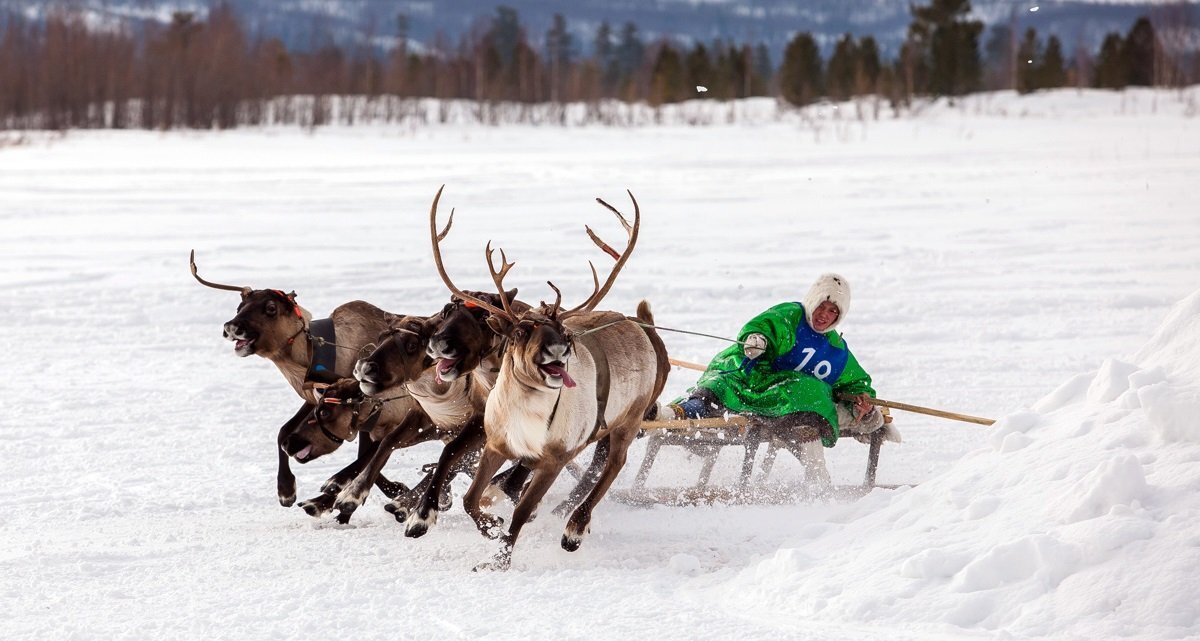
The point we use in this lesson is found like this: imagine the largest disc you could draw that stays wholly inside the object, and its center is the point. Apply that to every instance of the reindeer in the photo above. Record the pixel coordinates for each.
(567, 379)
(391, 417)
(448, 364)
(272, 325)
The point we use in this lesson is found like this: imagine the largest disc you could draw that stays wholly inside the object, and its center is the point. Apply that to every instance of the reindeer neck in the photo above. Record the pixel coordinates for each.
(447, 404)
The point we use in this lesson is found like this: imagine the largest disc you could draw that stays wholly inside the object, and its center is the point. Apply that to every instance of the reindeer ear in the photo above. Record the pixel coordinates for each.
(499, 325)
(511, 295)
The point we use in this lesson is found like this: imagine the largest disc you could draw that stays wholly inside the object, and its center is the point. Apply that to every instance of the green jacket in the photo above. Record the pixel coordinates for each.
(767, 391)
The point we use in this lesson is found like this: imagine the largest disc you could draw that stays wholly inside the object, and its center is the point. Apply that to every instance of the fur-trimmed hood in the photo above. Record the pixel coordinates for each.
(829, 287)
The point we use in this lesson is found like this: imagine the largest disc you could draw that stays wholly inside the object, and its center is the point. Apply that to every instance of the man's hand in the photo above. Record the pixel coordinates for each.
(862, 405)
(754, 345)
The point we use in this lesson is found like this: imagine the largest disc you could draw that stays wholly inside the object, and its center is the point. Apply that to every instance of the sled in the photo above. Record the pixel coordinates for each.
(707, 437)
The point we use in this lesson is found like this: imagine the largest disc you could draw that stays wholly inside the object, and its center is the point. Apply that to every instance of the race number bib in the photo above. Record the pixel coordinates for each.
(814, 356)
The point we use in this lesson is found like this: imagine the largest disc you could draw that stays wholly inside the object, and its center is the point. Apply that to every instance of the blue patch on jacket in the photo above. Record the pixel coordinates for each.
(813, 355)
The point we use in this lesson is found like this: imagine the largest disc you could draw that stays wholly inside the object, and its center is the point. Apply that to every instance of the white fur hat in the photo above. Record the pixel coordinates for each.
(832, 288)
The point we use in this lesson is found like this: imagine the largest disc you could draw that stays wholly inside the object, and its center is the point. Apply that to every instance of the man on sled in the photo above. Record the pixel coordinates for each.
(793, 377)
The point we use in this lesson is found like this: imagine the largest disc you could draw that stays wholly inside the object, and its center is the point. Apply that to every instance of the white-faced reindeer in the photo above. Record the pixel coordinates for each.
(271, 324)
(567, 378)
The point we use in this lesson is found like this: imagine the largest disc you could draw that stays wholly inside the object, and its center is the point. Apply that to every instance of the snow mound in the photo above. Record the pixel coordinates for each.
(1076, 522)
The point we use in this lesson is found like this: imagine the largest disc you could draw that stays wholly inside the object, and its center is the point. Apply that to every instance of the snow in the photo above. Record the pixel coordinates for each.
(1032, 259)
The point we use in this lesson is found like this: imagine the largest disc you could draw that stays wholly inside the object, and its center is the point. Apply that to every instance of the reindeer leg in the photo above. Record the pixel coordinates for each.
(285, 481)
(327, 499)
(590, 477)
(366, 450)
(543, 478)
(489, 462)
(425, 515)
(350, 498)
(577, 526)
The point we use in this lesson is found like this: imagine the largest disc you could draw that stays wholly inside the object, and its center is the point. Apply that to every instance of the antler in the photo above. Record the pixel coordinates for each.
(437, 258)
(498, 277)
(557, 299)
(600, 292)
(232, 288)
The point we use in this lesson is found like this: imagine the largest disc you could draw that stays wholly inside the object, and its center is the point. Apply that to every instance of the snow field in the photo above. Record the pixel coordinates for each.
(1009, 257)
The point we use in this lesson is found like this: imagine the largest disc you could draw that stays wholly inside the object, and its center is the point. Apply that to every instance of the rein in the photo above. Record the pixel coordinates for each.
(658, 327)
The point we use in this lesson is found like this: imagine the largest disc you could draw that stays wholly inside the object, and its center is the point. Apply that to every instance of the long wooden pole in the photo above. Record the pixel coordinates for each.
(954, 416)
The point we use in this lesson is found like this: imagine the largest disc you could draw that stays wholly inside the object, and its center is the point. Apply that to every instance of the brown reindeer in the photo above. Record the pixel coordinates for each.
(567, 379)
(448, 364)
(392, 418)
(271, 324)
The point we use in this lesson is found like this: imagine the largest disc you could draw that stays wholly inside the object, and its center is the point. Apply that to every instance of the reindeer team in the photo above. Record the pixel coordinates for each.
(494, 378)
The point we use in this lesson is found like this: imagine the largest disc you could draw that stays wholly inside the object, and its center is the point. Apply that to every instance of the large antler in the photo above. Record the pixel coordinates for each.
(600, 292)
(232, 288)
(437, 237)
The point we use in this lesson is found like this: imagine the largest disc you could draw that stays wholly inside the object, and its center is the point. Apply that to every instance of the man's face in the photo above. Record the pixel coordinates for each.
(824, 315)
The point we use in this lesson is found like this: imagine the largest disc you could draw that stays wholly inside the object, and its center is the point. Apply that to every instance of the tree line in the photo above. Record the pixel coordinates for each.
(57, 73)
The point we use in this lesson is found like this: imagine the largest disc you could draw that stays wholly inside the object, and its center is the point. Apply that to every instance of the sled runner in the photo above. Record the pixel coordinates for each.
(707, 437)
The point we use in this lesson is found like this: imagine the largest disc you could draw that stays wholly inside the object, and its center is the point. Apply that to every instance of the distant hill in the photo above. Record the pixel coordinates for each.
(307, 23)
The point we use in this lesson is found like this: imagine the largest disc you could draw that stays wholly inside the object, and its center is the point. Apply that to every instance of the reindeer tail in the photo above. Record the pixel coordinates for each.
(643, 313)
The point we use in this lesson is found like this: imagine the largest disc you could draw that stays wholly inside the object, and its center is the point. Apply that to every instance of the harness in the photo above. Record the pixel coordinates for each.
(358, 423)
(322, 343)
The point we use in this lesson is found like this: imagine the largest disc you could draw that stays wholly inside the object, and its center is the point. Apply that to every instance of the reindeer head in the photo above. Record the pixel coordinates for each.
(341, 412)
(538, 345)
(398, 355)
(267, 321)
(462, 338)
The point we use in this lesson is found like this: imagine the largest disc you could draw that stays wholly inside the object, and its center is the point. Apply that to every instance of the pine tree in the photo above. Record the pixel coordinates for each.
(843, 69)
(1110, 70)
(1052, 72)
(1028, 59)
(606, 58)
(667, 79)
(800, 75)
(949, 42)
(699, 72)
(559, 54)
(869, 66)
(1138, 53)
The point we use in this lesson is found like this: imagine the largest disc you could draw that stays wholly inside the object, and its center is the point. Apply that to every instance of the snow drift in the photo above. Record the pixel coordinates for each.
(1076, 522)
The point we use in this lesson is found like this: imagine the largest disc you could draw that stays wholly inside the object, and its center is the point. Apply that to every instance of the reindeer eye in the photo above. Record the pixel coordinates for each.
(271, 309)
(323, 413)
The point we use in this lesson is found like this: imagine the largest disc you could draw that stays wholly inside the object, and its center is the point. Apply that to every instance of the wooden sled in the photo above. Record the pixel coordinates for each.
(706, 438)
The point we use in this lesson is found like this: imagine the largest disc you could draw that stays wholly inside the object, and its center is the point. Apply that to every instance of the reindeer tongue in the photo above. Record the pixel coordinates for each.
(561, 372)
(443, 365)
(302, 454)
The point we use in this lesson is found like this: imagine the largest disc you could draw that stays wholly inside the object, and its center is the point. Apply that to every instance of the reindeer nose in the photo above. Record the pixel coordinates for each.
(366, 368)
(437, 345)
(230, 330)
(558, 351)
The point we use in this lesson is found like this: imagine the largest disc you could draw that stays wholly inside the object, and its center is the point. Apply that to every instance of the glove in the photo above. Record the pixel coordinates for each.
(754, 345)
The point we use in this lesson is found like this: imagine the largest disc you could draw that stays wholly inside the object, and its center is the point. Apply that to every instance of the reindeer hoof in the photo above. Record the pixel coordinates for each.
(398, 511)
(419, 525)
(499, 563)
(287, 501)
(331, 487)
(311, 508)
(343, 518)
(571, 542)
